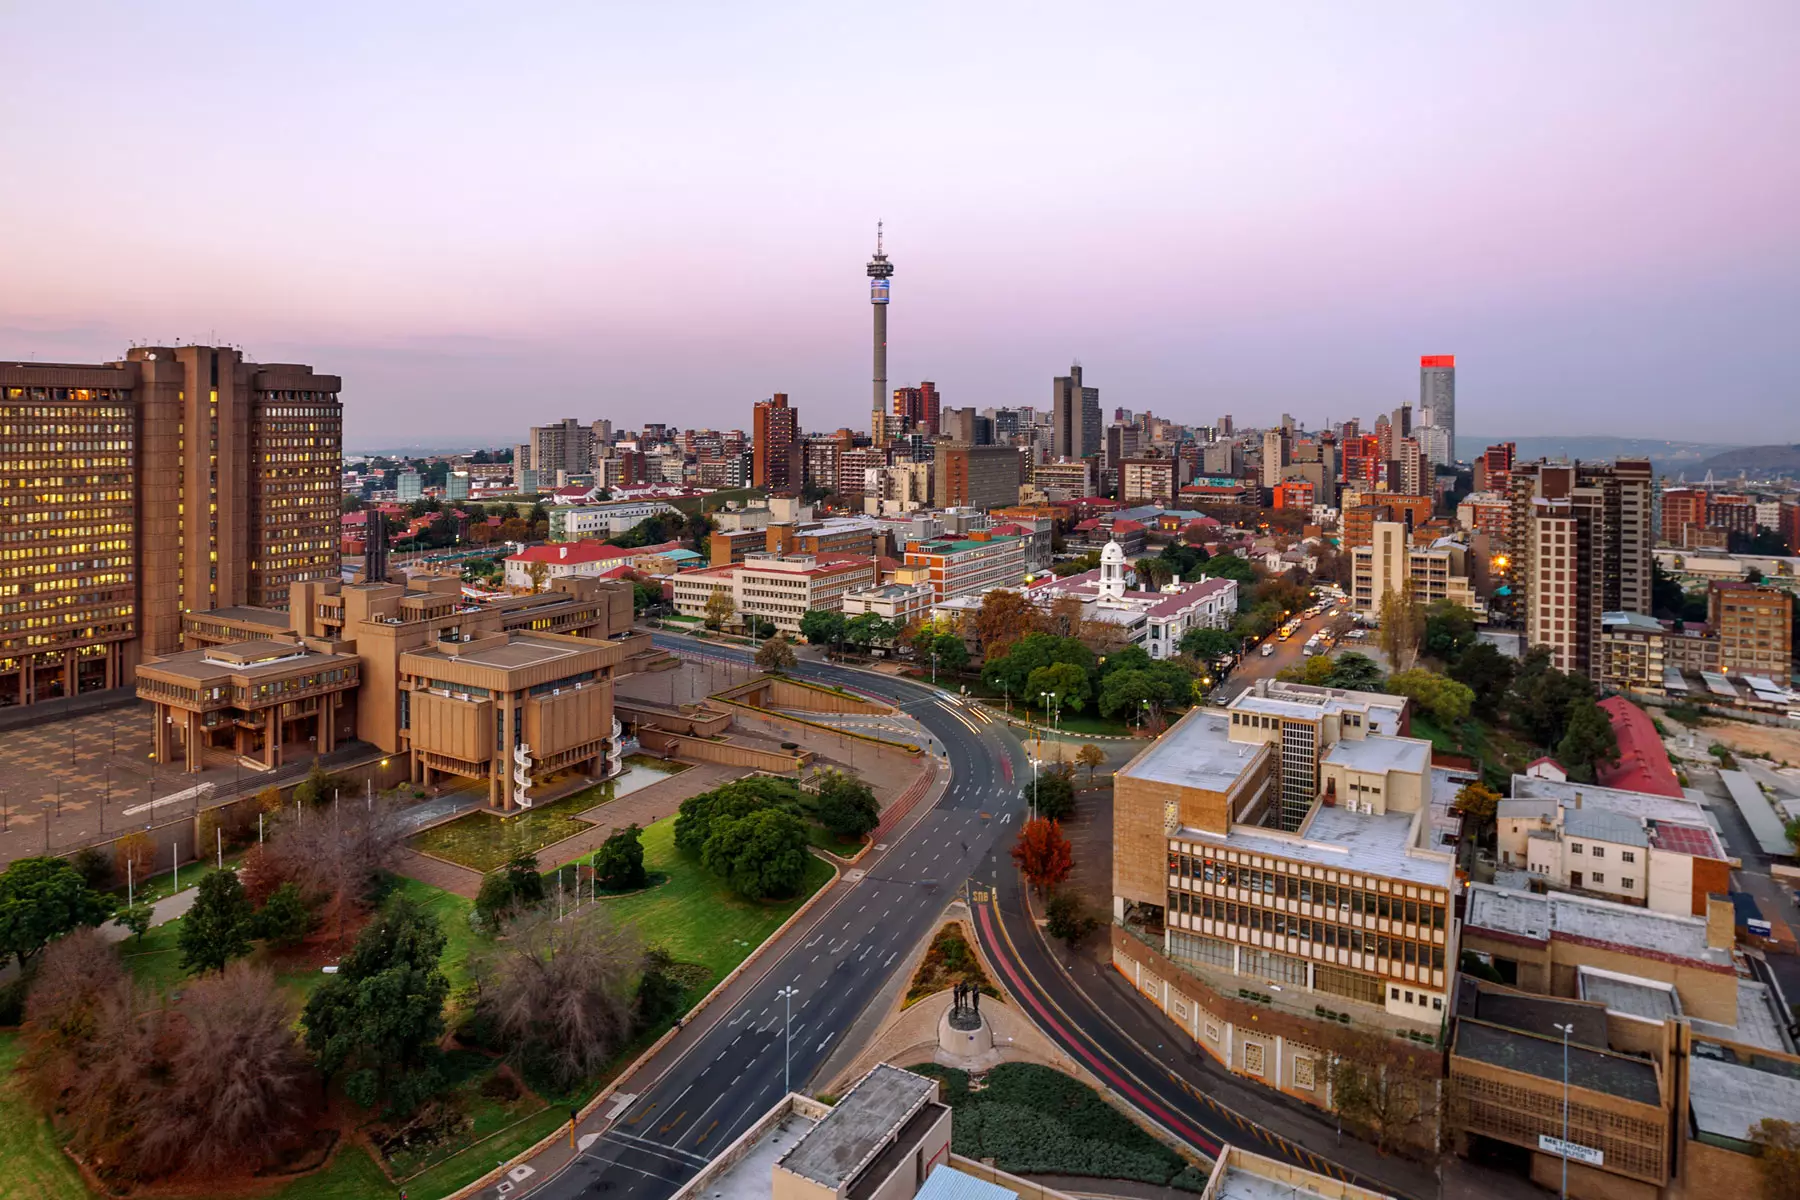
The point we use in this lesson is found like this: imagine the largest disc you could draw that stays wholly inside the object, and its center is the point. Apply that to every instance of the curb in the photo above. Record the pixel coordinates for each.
(606, 1093)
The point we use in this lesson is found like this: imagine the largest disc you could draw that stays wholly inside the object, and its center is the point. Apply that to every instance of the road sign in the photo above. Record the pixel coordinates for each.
(1570, 1150)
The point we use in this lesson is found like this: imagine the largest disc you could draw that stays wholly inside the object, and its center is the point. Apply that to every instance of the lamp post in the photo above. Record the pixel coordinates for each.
(1032, 815)
(934, 657)
(1565, 1136)
(787, 995)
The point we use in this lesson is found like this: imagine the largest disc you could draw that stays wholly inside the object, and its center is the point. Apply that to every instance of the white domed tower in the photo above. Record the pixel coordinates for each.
(1112, 571)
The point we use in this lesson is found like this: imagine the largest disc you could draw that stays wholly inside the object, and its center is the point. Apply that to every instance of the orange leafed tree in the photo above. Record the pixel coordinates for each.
(1004, 617)
(1043, 854)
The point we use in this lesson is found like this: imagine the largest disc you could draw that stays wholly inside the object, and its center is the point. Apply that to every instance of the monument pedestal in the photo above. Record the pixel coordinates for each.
(964, 1034)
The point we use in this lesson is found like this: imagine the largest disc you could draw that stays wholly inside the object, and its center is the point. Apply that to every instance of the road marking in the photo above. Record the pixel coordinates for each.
(821, 1045)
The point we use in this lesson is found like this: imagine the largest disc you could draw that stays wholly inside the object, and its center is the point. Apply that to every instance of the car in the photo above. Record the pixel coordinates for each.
(1268, 649)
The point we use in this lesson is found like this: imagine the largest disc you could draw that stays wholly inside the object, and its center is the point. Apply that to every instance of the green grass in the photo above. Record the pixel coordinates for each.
(476, 1161)
(824, 839)
(352, 1175)
(160, 887)
(32, 1163)
(452, 912)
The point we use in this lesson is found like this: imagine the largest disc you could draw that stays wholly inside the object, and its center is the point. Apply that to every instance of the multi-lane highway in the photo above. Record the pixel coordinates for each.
(730, 1067)
(740, 1056)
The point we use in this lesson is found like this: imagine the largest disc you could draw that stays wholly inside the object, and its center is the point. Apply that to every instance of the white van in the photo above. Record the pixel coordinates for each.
(1268, 649)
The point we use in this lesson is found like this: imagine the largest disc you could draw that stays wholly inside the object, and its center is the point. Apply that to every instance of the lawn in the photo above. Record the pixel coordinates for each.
(32, 1163)
(485, 841)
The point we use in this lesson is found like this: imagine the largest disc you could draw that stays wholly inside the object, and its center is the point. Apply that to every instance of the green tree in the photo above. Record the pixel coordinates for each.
(1316, 670)
(1402, 621)
(1052, 794)
(1484, 670)
(494, 901)
(619, 862)
(285, 917)
(525, 880)
(1543, 697)
(1208, 645)
(699, 815)
(952, 653)
(217, 928)
(383, 1012)
(319, 787)
(42, 899)
(846, 805)
(1357, 672)
(1068, 682)
(1011, 671)
(1066, 918)
(137, 920)
(1588, 742)
(762, 856)
(1449, 629)
(1228, 566)
(823, 627)
(1443, 700)
(870, 629)
(775, 655)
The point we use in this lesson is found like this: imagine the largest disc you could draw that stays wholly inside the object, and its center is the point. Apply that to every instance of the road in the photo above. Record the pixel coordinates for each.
(1254, 666)
(730, 1069)
(727, 1068)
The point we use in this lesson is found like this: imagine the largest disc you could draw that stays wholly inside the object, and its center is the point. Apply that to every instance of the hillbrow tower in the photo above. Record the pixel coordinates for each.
(880, 271)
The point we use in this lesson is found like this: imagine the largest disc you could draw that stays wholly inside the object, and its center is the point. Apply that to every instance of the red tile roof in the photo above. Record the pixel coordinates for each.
(1643, 764)
(1684, 839)
(571, 552)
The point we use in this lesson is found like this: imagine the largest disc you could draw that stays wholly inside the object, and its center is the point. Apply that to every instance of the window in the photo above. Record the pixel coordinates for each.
(1597, 877)
(1393, 993)
(1437, 1003)
(1574, 847)
(1253, 1057)
(1599, 851)
(1629, 856)
(1303, 1072)
(1628, 883)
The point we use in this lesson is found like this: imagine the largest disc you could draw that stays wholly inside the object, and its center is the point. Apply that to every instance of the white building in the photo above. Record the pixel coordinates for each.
(1154, 620)
(901, 603)
(779, 589)
(604, 519)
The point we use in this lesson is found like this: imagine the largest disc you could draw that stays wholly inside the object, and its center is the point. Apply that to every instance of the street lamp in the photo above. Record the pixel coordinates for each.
(934, 657)
(787, 995)
(1565, 1029)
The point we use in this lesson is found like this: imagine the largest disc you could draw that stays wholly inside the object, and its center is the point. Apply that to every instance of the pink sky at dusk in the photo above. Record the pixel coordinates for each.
(489, 217)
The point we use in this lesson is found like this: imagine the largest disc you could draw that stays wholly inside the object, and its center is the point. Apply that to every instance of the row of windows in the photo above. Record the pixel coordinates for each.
(1306, 891)
(1325, 933)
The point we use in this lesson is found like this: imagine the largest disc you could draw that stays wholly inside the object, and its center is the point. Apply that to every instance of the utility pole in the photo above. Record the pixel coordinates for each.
(1565, 1137)
(787, 1055)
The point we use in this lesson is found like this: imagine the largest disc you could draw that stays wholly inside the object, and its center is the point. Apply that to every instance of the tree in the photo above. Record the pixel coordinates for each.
(759, 627)
(823, 627)
(42, 899)
(1777, 1144)
(537, 574)
(65, 995)
(1208, 645)
(1449, 629)
(494, 901)
(1543, 697)
(846, 805)
(1011, 672)
(720, 609)
(1316, 670)
(319, 787)
(1228, 566)
(285, 918)
(1443, 700)
(1152, 573)
(525, 880)
(1004, 617)
(1357, 672)
(619, 862)
(136, 919)
(1043, 854)
(134, 856)
(217, 928)
(952, 653)
(1090, 756)
(1066, 917)
(762, 856)
(660, 991)
(1051, 795)
(700, 815)
(1402, 622)
(775, 655)
(1484, 670)
(1064, 680)
(561, 994)
(1478, 802)
(870, 629)
(1588, 743)
(1383, 1087)
(383, 1011)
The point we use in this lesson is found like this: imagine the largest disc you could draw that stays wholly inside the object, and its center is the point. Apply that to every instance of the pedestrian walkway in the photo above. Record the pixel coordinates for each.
(161, 913)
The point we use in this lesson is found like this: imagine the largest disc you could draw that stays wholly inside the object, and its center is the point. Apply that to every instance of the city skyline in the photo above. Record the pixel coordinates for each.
(1547, 197)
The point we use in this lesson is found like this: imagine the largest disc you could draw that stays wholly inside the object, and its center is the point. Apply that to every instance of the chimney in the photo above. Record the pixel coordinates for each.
(562, 552)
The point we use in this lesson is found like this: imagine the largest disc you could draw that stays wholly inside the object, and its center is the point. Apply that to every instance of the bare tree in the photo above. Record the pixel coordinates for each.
(77, 973)
(561, 992)
(236, 1077)
(334, 853)
(1402, 624)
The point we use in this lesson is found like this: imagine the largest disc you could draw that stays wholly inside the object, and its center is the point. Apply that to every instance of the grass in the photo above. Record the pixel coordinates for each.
(824, 839)
(466, 1072)
(31, 1159)
(470, 1164)
(452, 913)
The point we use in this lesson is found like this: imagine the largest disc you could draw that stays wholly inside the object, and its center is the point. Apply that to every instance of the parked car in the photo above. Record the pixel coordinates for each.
(1268, 649)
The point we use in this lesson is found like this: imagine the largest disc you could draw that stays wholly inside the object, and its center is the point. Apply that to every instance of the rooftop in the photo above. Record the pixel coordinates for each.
(1196, 752)
(878, 1105)
(1759, 1020)
(1539, 917)
(1604, 825)
(750, 1177)
(1336, 837)
(1647, 998)
(1381, 754)
(245, 614)
(1596, 1070)
(256, 659)
(1643, 764)
(948, 1183)
(1729, 1092)
(1621, 622)
(1648, 805)
(521, 650)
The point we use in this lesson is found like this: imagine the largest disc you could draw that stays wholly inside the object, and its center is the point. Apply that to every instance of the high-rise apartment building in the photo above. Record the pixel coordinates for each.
(565, 448)
(976, 476)
(1682, 509)
(1437, 394)
(1274, 456)
(179, 479)
(1581, 538)
(920, 408)
(776, 444)
(1754, 625)
(1493, 470)
(1075, 420)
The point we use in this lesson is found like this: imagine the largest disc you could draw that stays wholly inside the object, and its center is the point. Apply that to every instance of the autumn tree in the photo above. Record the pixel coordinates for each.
(134, 856)
(1402, 624)
(537, 574)
(1384, 1087)
(1090, 756)
(1477, 801)
(1004, 617)
(720, 609)
(1778, 1157)
(776, 655)
(1043, 854)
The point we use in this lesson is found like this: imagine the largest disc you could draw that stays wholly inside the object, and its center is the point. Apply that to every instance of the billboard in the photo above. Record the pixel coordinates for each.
(878, 291)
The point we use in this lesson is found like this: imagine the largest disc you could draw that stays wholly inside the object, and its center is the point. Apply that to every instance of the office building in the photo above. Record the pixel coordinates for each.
(1069, 480)
(977, 562)
(408, 486)
(975, 476)
(821, 454)
(780, 589)
(570, 523)
(183, 478)
(919, 409)
(1075, 419)
(1631, 653)
(1149, 480)
(1437, 395)
(1682, 509)
(1754, 625)
(776, 444)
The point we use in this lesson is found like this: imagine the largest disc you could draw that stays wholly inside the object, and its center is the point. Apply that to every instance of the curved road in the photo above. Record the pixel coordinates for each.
(728, 1066)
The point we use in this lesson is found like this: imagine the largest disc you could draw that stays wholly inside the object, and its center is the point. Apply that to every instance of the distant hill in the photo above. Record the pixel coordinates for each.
(1758, 462)
(1666, 457)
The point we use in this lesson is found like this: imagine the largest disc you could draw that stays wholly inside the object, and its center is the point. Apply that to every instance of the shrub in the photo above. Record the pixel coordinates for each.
(619, 862)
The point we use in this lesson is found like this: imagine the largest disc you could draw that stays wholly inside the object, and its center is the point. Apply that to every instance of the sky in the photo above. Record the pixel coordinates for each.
(487, 217)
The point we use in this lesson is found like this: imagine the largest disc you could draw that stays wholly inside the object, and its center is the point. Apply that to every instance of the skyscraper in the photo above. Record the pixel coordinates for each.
(776, 444)
(182, 478)
(1274, 456)
(1437, 393)
(1076, 416)
(880, 270)
(921, 407)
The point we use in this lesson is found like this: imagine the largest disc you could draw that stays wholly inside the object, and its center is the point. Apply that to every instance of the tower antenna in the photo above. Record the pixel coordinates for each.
(878, 225)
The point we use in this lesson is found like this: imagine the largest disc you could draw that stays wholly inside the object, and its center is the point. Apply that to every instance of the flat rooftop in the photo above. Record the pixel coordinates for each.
(869, 1113)
(1336, 837)
(253, 659)
(1759, 1020)
(1381, 754)
(751, 1177)
(947, 1183)
(246, 614)
(1647, 805)
(1537, 917)
(1197, 752)
(522, 650)
(1729, 1092)
(1649, 999)
(1597, 1070)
